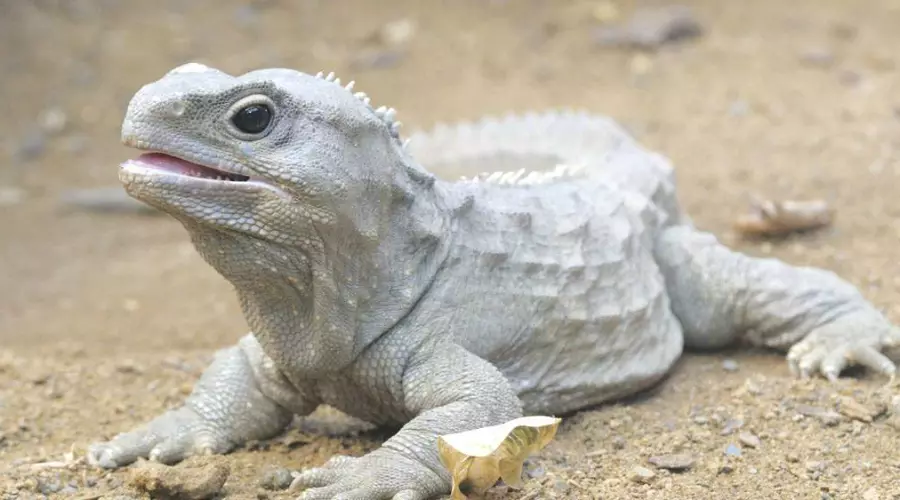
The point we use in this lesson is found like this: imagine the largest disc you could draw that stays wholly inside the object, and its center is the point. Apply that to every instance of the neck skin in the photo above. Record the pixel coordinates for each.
(315, 308)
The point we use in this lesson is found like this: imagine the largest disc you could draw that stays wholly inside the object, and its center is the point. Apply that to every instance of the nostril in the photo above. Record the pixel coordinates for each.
(176, 108)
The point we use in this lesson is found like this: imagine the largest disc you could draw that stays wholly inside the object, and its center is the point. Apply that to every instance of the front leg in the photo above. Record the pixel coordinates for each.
(822, 321)
(447, 389)
(240, 397)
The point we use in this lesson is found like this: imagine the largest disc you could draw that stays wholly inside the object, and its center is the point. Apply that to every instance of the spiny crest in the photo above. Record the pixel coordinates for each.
(523, 178)
(384, 113)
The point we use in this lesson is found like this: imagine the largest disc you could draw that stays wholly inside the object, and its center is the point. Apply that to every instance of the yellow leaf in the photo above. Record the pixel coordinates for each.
(477, 458)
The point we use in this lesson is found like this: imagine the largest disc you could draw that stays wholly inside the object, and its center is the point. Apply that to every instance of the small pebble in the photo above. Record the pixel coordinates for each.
(128, 366)
(674, 461)
(378, 59)
(397, 32)
(53, 120)
(32, 146)
(560, 486)
(650, 28)
(730, 365)
(749, 439)
(48, 487)
(827, 417)
(731, 426)
(871, 494)
(819, 57)
(641, 475)
(276, 478)
(733, 450)
(849, 77)
(815, 465)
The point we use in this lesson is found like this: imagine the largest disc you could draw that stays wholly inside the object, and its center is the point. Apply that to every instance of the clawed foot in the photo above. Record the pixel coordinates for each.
(854, 339)
(380, 475)
(225, 409)
(168, 439)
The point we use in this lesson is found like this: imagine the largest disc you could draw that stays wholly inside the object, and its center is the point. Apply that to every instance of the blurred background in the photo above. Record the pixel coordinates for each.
(105, 319)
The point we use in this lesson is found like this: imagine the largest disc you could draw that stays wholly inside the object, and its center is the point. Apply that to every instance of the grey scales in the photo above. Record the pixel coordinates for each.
(568, 278)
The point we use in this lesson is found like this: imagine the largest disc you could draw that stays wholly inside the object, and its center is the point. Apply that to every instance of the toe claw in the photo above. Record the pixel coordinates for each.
(833, 364)
(793, 366)
(875, 360)
(102, 457)
(807, 367)
(171, 451)
(892, 338)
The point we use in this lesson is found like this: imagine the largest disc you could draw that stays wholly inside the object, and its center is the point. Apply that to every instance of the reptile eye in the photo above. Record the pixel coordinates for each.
(252, 119)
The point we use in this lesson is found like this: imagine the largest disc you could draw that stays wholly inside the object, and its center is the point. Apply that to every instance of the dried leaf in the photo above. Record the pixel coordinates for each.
(477, 458)
(778, 218)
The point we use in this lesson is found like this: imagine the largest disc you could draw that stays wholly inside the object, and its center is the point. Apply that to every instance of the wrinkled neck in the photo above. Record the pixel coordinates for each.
(314, 310)
(376, 276)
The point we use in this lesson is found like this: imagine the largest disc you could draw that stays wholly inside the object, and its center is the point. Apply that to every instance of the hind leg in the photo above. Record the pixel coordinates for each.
(822, 321)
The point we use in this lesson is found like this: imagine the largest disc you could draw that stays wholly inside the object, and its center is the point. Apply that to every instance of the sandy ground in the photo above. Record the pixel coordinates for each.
(106, 320)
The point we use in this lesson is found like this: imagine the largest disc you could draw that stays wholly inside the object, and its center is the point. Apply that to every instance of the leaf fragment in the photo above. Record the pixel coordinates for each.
(477, 458)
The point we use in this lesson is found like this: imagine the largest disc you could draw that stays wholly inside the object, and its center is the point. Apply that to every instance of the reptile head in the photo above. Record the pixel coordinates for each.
(268, 154)
(297, 191)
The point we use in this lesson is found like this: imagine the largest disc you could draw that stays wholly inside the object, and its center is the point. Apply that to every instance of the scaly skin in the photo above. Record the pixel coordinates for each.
(406, 300)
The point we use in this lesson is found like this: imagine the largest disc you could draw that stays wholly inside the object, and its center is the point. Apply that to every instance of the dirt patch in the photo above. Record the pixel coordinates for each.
(106, 321)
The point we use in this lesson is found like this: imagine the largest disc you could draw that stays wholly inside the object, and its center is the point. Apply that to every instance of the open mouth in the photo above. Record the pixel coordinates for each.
(173, 171)
(172, 165)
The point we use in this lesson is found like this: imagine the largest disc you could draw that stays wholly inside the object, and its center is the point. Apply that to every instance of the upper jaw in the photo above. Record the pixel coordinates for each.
(209, 160)
(191, 169)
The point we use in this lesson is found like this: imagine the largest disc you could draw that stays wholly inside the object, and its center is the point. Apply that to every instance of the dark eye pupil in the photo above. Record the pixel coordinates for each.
(252, 119)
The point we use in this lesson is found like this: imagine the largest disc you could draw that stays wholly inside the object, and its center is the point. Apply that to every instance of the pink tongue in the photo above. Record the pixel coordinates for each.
(168, 163)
